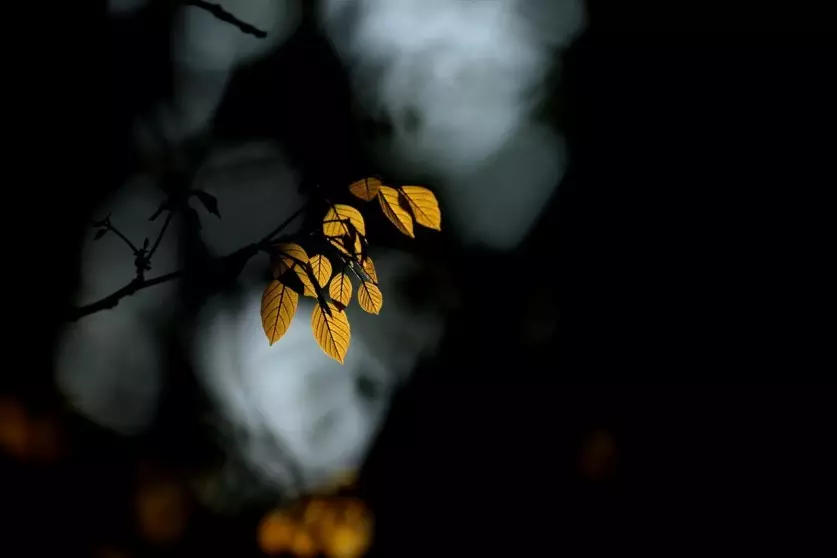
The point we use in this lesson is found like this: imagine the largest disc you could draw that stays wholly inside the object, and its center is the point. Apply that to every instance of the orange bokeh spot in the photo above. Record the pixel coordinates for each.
(161, 511)
(335, 527)
(303, 544)
(26, 437)
(345, 529)
(276, 533)
(14, 428)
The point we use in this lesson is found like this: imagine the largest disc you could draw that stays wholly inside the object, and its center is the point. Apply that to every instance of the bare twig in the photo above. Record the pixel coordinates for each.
(159, 236)
(226, 17)
(269, 238)
(109, 226)
(139, 283)
(113, 299)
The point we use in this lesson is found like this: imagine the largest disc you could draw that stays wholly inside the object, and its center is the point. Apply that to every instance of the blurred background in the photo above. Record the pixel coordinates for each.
(645, 381)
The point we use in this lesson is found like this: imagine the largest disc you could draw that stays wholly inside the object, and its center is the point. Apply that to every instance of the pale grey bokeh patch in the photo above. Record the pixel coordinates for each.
(109, 364)
(299, 412)
(459, 80)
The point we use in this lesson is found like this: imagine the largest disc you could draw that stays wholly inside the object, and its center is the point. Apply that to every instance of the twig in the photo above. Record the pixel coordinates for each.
(226, 17)
(159, 236)
(113, 299)
(109, 226)
(269, 238)
(139, 283)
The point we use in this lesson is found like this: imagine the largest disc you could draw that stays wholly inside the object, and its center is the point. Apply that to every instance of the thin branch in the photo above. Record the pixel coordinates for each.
(139, 283)
(113, 299)
(159, 237)
(227, 17)
(109, 226)
(264, 242)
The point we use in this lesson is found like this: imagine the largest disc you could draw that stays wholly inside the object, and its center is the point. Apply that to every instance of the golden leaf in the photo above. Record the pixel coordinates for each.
(332, 332)
(279, 305)
(321, 268)
(369, 297)
(307, 284)
(358, 245)
(424, 205)
(394, 212)
(341, 289)
(333, 222)
(288, 253)
(369, 268)
(365, 188)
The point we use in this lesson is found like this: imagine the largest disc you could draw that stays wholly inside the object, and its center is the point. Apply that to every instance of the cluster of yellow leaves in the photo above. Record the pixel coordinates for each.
(344, 231)
(336, 527)
(398, 203)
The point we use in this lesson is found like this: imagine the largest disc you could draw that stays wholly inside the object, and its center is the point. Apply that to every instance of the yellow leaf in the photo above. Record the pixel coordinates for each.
(333, 222)
(321, 268)
(394, 212)
(369, 268)
(358, 245)
(369, 297)
(278, 308)
(365, 188)
(307, 285)
(341, 289)
(288, 253)
(332, 332)
(424, 205)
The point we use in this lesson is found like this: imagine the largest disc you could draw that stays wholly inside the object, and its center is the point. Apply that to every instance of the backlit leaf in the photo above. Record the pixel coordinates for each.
(321, 268)
(424, 205)
(305, 278)
(358, 245)
(332, 332)
(334, 220)
(340, 289)
(369, 268)
(369, 297)
(289, 254)
(279, 305)
(398, 216)
(365, 188)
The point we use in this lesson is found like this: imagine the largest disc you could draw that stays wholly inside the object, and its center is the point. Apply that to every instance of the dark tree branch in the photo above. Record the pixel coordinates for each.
(226, 17)
(113, 299)
(139, 283)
